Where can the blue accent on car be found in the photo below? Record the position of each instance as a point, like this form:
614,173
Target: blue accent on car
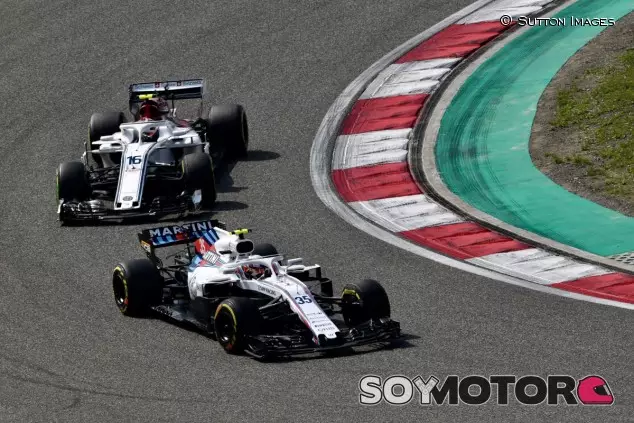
211,236
195,262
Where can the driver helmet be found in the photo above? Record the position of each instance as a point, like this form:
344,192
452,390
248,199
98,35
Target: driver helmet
154,109
254,271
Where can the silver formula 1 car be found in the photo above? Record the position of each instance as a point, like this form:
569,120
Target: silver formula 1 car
158,163
248,296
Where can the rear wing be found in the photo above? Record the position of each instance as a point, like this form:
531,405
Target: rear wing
166,236
171,90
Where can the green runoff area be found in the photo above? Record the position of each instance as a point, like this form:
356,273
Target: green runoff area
482,150
605,117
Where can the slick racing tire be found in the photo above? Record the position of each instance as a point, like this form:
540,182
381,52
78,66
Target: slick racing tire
364,301
102,124
72,182
198,173
137,285
264,250
236,319
227,127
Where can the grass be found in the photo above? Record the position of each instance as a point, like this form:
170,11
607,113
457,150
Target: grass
604,116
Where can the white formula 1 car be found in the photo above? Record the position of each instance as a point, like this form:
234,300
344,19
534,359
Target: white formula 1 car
157,164
248,296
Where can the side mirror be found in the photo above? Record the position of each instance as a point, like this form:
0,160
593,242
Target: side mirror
197,197
297,268
294,261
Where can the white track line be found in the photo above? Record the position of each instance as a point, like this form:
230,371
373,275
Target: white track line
541,266
399,214
410,78
371,148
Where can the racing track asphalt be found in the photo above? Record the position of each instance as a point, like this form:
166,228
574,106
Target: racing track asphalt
68,355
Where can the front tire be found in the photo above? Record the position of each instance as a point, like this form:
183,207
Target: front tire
198,173
364,301
227,126
102,124
72,182
137,285
236,319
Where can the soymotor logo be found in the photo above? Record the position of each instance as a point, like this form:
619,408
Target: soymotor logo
477,390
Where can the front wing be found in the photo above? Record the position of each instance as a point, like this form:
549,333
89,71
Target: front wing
96,210
374,332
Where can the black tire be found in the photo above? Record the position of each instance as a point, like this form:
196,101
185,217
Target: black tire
364,301
102,124
137,285
198,173
265,250
236,319
72,182
227,126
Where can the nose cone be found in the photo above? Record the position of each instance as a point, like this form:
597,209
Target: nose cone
594,390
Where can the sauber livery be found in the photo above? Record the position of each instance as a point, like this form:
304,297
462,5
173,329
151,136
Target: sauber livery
158,163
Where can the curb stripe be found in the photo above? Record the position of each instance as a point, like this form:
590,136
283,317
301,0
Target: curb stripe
493,10
546,267
389,81
614,286
463,240
399,214
458,40
371,148
514,8
379,114
362,183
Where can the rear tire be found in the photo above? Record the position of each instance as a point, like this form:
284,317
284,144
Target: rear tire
227,126
364,301
72,182
198,173
137,285
265,250
102,124
236,319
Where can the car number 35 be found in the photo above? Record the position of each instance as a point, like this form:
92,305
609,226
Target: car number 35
304,299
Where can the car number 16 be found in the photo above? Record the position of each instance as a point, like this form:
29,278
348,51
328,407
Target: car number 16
134,160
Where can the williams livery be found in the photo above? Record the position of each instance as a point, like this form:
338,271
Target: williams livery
249,297
156,164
